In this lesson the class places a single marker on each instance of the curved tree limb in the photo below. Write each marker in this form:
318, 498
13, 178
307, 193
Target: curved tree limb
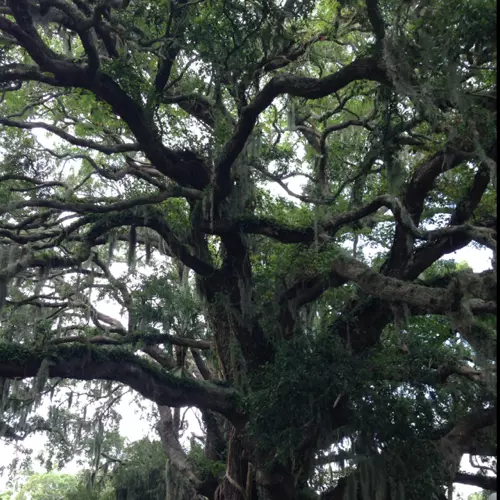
423, 257
147, 339
433, 300
91, 362
485, 482
457, 441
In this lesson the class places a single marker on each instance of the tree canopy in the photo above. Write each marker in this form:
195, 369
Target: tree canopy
249, 208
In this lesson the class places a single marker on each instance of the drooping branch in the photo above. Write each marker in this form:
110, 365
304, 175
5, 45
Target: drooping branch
37, 425
485, 482
49, 260
100, 226
291, 54
194, 104
98, 363
38, 183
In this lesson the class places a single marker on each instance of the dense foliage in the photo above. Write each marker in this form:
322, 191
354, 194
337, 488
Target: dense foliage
249, 208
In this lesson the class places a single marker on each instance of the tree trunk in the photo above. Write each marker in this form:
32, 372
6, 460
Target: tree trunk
181, 482
237, 482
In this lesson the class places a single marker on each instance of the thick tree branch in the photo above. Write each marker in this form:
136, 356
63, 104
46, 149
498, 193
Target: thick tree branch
413, 201
146, 339
423, 257
375, 17
485, 482
201, 365
18, 73
195, 105
26, 34
91, 363
390, 289
432, 300
184, 167
457, 441
173, 448
445, 371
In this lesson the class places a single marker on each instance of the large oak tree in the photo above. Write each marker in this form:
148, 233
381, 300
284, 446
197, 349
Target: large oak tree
156, 134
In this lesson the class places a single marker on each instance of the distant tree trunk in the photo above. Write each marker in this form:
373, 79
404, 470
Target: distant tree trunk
177, 486
234, 485
181, 482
